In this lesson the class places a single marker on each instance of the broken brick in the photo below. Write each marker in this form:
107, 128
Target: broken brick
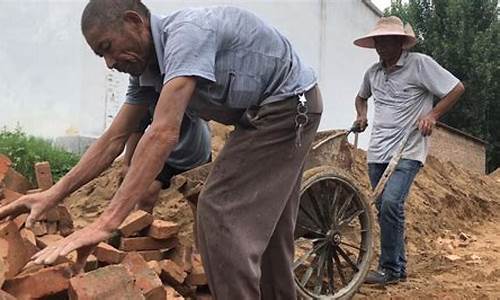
135, 222
28, 235
161, 230
197, 275
6, 296
43, 175
146, 243
20, 220
10, 196
47, 240
145, 279
12, 248
108, 254
183, 257
150, 255
39, 228
155, 266
110, 282
16, 182
172, 273
66, 226
43, 283
172, 294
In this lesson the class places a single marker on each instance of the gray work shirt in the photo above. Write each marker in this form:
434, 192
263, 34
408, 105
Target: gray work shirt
239, 60
401, 98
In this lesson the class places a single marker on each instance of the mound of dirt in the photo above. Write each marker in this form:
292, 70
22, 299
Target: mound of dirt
446, 203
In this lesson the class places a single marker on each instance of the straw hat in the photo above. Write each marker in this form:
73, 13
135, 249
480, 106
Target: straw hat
388, 26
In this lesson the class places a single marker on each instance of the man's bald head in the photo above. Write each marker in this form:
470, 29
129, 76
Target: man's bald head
104, 13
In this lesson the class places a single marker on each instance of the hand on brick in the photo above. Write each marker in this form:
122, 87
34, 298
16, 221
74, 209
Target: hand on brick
36, 204
84, 241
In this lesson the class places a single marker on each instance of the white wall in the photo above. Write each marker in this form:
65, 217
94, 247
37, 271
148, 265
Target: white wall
52, 84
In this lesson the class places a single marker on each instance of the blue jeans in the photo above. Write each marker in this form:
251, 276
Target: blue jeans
391, 212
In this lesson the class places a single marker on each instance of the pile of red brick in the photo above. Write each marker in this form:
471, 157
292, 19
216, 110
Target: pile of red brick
143, 260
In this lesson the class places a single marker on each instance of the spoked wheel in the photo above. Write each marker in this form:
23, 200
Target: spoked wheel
333, 235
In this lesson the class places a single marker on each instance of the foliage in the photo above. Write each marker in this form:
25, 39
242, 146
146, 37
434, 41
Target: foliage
24, 151
464, 37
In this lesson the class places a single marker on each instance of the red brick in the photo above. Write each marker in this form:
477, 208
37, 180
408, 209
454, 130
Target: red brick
182, 256
155, 266
135, 222
10, 196
145, 279
6, 296
112, 283
47, 240
150, 255
43, 175
12, 248
3, 271
5, 164
43, 283
197, 275
172, 294
66, 226
108, 254
20, 220
39, 228
16, 182
28, 236
146, 243
161, 230
172, 273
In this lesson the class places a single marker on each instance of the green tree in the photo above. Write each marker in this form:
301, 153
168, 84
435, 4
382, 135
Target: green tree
463, 36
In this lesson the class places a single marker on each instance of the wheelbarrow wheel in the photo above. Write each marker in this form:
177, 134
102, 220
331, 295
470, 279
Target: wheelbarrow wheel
333, 235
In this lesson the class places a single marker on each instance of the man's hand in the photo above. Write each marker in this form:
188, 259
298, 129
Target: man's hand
426, 124
360, 123
84, 241
36, 204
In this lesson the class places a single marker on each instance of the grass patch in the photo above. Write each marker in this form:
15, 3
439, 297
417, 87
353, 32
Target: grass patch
24, 151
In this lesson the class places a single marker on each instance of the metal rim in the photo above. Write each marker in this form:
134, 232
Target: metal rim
329, 205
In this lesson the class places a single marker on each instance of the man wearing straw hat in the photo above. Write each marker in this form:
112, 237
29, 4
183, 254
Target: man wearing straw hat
403, 85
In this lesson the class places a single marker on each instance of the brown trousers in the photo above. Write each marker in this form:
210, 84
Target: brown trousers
248, 208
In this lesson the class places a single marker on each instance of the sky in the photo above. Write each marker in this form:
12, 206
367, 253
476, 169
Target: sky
382, 4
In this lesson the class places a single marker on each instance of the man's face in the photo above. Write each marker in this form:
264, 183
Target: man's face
126, 47
388, 47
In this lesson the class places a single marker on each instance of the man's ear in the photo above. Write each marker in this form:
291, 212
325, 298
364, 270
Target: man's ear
133, 18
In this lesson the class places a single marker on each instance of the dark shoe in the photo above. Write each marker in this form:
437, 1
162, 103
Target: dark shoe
403, 277
382, 277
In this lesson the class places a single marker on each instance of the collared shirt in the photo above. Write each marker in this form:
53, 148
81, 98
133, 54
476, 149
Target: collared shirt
401, 98
239, 61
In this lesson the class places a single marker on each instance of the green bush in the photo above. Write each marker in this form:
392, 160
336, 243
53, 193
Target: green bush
24, 151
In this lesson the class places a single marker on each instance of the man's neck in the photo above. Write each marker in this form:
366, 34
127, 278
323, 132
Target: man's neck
390, 63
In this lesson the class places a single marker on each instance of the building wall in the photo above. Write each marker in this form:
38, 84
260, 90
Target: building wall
53, 85
447, 145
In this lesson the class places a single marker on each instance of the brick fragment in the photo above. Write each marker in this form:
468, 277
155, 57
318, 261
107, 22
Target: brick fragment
46, 282
39, 228
146, 243
108, 254
182, 256
6, 296
28, 235
10, 196
155, 266
66, 226
172, 273
197, 276
151, 255
172, 294
135, 222
161, 229
12, 248
43, 175
145, 279
16, 181
111, 282
47, 240
21, 220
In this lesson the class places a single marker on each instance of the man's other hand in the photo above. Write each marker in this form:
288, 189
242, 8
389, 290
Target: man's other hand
426, 124
36, 204
360, 124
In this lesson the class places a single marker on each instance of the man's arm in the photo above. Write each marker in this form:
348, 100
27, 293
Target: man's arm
96, 159
362, 109
426, 124
155, 145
